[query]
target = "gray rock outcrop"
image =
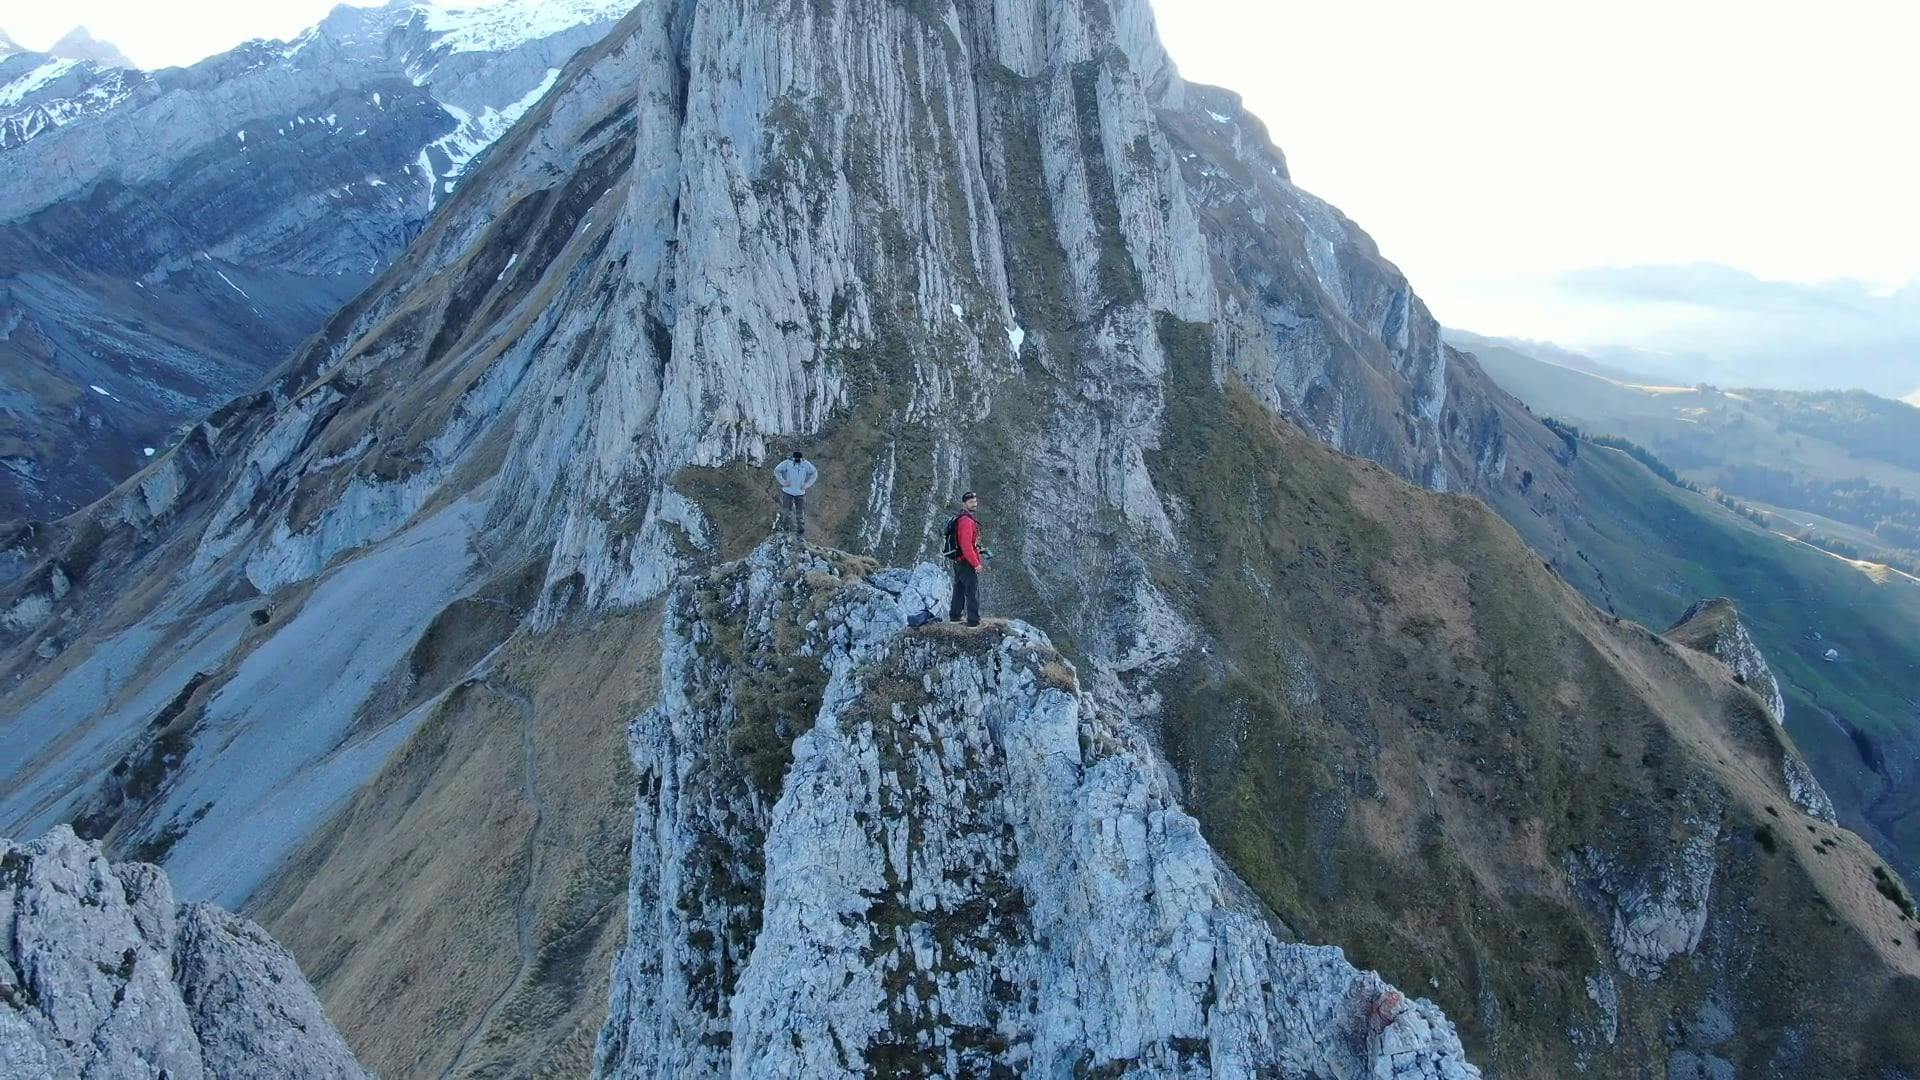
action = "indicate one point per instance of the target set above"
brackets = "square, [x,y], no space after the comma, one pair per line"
[102,975]
[1654,901]
[1714,627]
[968,870]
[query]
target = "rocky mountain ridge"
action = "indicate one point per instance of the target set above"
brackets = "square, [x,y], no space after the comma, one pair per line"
[101,974]
[166,237]
[966,245]
[1714,627]
[967,870]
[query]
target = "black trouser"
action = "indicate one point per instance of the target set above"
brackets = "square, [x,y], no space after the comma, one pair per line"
[966,593]
[795,509]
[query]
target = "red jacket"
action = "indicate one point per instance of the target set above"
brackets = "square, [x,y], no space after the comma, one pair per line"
[967,532]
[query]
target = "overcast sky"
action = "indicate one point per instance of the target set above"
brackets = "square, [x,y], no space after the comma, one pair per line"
[1489,146]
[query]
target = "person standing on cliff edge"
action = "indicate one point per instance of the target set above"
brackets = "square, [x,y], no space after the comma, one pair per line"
[796,476]
[964,551]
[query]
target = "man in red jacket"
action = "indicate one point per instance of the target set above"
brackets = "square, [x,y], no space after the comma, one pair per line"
[964,549]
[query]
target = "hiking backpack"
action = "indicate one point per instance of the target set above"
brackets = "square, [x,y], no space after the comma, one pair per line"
[950,541]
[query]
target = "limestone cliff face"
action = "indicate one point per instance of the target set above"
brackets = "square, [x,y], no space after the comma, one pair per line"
[968,870]
[960,247]
[101,974]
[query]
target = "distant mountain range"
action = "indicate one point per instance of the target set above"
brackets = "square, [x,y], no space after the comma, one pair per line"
[79,44]
[167,236]
[1687,324]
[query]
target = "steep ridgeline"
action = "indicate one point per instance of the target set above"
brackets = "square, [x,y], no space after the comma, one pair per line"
[1645,548]
[101,974]
[862,849]
[167,237]
[389,611]
[1714,627]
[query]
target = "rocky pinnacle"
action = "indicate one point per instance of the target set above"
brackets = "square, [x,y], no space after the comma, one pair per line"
[102,974]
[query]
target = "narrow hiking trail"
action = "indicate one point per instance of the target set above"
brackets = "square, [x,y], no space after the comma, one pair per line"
[522,703]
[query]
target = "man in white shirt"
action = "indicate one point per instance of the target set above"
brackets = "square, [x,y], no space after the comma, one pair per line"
[796,476]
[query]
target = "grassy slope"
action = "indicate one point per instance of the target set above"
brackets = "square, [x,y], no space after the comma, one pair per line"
[452,925]
[1409,722]
[1657,548]
[1660,547]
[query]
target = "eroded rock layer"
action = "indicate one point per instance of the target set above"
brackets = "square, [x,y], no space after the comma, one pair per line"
[102,974]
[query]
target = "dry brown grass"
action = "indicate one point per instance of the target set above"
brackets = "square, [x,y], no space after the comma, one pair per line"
[404,909]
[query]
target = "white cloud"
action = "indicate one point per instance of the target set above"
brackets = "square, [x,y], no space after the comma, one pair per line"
[1492,145]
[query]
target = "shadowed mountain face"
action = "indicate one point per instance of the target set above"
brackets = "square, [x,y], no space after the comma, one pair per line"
[381,622]
[166,237]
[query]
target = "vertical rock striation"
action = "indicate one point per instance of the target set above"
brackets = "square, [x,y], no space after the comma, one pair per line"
[101,974]
[968,870]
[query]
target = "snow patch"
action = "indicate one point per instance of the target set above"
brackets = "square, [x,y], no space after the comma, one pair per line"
[511,259]
[958,311]
[1219,118]
[232,286]
[505,26]
[16,91]
[102,391]
[473,134]
[1016,337]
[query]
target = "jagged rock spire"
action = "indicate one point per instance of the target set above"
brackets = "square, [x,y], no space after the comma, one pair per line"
[968,870]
